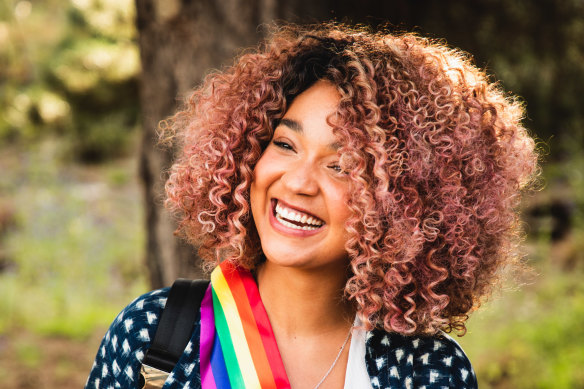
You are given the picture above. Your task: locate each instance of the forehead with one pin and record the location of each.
(321, 96)
(312, 112)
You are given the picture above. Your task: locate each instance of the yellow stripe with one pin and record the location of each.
(250, 376)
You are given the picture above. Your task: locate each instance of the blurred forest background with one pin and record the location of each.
(77, 115)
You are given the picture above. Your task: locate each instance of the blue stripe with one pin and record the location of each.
(218, 365)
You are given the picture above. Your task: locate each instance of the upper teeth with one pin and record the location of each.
(296, 216)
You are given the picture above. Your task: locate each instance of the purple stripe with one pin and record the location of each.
(207, 340)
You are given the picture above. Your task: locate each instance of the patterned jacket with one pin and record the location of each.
(392, 360)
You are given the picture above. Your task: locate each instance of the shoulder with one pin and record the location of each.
(417, 361)
(137, 322)
(122, 348)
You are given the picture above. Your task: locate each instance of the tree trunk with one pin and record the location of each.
(180, 41)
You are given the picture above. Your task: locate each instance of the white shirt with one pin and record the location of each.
(356, 376)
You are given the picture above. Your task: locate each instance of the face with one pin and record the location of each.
(299, 195)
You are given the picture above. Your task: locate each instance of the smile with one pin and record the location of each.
(293, 218)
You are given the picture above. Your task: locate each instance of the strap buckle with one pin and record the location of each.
(152, 378)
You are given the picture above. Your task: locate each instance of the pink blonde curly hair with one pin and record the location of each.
(436, 157)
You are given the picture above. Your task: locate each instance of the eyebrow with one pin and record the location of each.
(293, 125)
(297, 127)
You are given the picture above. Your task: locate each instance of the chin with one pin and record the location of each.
(290, 260)
(293, 261)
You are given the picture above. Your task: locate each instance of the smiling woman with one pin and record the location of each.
(343, 185)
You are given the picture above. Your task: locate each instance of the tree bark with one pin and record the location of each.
(179, 41)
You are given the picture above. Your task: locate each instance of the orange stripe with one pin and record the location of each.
(266, 332)
(252, 334)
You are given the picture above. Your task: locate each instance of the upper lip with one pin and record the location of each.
(299, 209)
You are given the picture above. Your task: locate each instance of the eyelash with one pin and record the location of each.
(336, 168)
(282, 145)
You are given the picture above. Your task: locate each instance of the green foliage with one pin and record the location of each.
(76, 254)
(531, 338)
(72, 71)
(29, 354)
(566, 180)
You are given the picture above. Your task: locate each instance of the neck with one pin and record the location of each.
(303, 302)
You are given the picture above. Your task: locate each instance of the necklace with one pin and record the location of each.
(336, 359)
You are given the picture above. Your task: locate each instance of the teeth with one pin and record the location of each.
(283, 213)
(296, 227)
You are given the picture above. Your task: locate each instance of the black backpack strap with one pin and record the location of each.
(175, 326)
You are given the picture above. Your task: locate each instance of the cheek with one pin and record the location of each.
(254, 195)
(258, 179)
(260, 184)
(339, 197)
(266, 170)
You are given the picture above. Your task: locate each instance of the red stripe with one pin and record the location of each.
(265, 330)
(252, 333)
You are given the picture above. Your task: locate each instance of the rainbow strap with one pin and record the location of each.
(238, 347)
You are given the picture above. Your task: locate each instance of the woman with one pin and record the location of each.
(363, 188)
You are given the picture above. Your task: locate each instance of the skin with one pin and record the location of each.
(305, 271)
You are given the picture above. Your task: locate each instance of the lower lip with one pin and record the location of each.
(287, 230)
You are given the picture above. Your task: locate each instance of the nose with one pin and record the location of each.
(300, 178)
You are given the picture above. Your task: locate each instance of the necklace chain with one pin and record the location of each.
(336, 359)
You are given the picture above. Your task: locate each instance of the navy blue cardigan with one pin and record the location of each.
(392, 360)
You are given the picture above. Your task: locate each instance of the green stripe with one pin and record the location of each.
(233, 370)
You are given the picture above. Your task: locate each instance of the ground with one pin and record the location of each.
(29, 361)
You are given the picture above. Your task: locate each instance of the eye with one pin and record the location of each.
(282, 145)
(337, 168)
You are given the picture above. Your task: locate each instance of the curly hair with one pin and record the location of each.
(435, 153)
